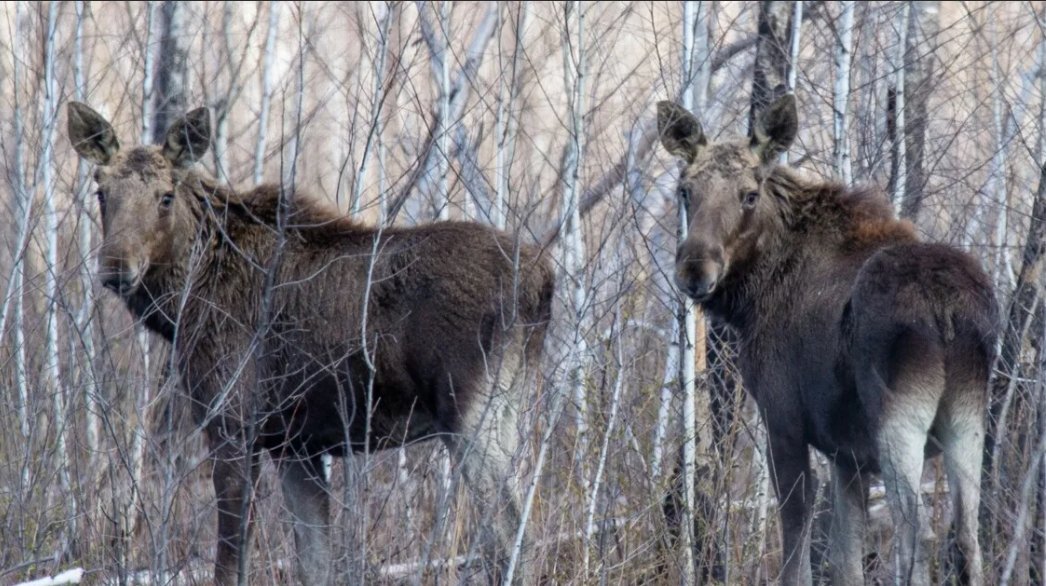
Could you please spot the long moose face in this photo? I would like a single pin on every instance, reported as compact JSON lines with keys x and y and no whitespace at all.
{"x":145,"y":218}
{"x":721,"y":186}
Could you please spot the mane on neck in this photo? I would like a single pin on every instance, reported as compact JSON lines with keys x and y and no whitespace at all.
{"x":305,"y":217}
{"x":857,"y":218}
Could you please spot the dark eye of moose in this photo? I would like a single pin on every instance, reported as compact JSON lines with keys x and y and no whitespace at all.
{"x":749,"y":200}
{"x":101,"y":197}
{"x":166,"y":200}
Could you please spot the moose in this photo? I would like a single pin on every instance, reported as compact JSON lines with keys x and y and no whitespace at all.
{"x":854,"y":337}
{"x":300,"y":332}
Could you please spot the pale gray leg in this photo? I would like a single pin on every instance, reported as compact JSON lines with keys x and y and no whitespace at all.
{"x":305,"y":495}
{"x":962,"y":439}
{"x":849,"y":515}
{"x":902,"y":440}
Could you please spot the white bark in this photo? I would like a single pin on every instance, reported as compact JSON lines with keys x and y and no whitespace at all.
{"x":573,"y":251}
{"x":597,"y":479}
{"x":459,"y":90}
{"x":171,"y":84}
{"x":793,"y":53}
{"x":506,"y":121}
{"x":687,"y":325}
{"x":293,"y":147}
{"x":84,"y":323}
{"x":843,"y":59}
{"x":1004,"y":274}
{"x":377,"y":99}
{"x":443,"y":140}
{"x":793,"y":58}
{"x":220,"y":144}
{"x":53,"y":370}
{"x":24,"y":205}
{"x":700,"y":60}
{"x":900,"y":147}
{"x":266,"y":90}
{"x":147,"y":76}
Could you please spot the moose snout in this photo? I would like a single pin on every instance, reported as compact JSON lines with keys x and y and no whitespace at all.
{"x":118,"y":276}
{"x":119,"y":284}
{"x":698,"y":269}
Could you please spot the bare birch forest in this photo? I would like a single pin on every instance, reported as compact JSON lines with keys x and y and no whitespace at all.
{"x":645,"y":459}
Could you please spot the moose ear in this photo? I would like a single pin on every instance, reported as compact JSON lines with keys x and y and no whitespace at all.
{"x":775,"y":129}
{"x":188,"y":138}
{"x":680,"y":131}
{"x":92,"y":136}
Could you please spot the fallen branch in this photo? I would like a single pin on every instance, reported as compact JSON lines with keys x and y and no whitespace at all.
{"x":67,"y":577}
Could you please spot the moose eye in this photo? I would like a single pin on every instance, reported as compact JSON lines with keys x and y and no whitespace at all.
{"x":684,"y":193}
{"x":749,"y":200}
{"x":101,"y":197}
{"x":166,"y":200}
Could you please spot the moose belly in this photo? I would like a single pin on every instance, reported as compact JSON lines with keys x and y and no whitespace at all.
{"x":325,"y":413}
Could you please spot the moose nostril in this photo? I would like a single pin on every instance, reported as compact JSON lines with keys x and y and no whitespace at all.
{"x":116,"y":283}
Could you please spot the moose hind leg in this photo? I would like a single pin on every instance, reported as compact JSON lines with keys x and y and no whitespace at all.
{"x":910,"y":405}
{"x":849,"y":513}
{"x":305,"y":496}
{"x":960,"y":430}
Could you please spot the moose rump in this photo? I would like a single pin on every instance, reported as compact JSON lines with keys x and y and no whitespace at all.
{"x":302,"y":333}
{"x":855,"y":338}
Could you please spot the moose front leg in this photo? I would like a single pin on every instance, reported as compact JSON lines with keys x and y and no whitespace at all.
{"x":234,"y":475}
{"x":305,"y":494}
{"x":790,"y":467}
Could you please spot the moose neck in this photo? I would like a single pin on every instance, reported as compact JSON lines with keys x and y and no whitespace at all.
{"x":234,"y":242}
{"x":807,"y":228}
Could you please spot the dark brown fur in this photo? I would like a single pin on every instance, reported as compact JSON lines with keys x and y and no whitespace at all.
{"x":855,"y":337}
{"x":266,"y":296}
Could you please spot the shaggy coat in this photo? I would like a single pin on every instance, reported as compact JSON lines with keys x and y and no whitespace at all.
{"x":303,"y":333}
{"x":854,"y":338}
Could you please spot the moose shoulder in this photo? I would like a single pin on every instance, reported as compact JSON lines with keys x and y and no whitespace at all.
{"x":855,"y":338}
{"x":303,"y":333}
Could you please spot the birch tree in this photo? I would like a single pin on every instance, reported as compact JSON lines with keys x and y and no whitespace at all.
{"x":266,"y":90}
{"x":573,"y":244}
{"x":899,"y":176}
{"x":841,"y":101}
{"x":55,"y":382}
{"x":920,"y":68}
{"x":506,"y":119}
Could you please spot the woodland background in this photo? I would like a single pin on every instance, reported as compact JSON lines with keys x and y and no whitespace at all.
{"x":537,"y":117}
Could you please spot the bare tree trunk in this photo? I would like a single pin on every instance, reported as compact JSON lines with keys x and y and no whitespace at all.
{"x":442,"y":141}
{"x":53,"y":370}
{"x":843,"y":58}
{"x":148,"y":83}
{"x":919,"y":63}
{"x":266,"y":90}
{"x":223,"y":103}
{"x":688,"y":316}
{"x":23,"y":207}
{"x":1003,"y":272}
{"x":378,"y":96}
{"x":84,"y":323}
{"x":459,"y":93}
{"x":507,"y":120}
{"x":900,"y":151}
{"x":575,"y":71}
{"x":172,"y":79}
